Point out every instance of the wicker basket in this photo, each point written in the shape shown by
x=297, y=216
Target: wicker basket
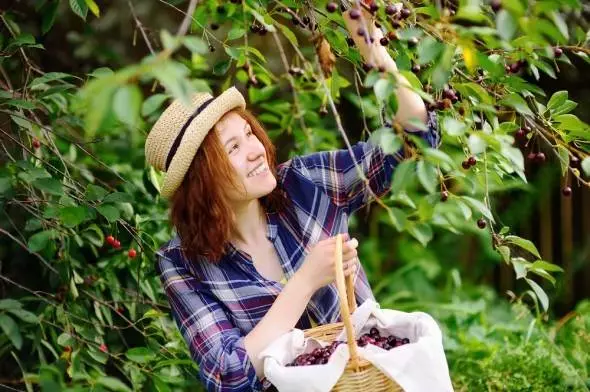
x=359, y=374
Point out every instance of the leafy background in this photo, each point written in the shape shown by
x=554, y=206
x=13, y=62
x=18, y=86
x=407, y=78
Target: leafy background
x=81, y=82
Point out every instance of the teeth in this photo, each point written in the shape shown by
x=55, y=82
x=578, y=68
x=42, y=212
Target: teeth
x=259, y=170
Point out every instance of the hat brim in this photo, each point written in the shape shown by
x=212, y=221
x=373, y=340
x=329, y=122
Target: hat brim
x=194, y=135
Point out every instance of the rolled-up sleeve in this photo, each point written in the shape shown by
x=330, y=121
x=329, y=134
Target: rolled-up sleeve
x=337, y=172
x=213, y=341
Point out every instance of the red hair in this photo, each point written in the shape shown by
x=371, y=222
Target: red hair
x=201, y=199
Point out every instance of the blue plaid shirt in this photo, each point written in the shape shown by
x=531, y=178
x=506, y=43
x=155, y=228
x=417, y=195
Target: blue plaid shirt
x=216, y=305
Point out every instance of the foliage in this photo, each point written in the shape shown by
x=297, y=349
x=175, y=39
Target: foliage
x=84, y=312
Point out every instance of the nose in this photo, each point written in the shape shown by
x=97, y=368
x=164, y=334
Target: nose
x=255, y=149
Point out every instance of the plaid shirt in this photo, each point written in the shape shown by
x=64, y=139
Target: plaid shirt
x=216, y=305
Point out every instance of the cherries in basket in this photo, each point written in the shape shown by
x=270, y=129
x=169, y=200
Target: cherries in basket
x=385, y=342
x=320, y=356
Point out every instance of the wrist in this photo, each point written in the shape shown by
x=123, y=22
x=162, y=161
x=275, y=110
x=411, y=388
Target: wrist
x=302, y=284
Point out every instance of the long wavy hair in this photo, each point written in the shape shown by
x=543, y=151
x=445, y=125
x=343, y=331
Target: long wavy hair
x=200, y=209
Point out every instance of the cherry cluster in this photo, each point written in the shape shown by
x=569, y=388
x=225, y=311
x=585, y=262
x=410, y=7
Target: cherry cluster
x=320, y=356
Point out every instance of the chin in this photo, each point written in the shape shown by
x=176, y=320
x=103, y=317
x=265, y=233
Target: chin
x=263, y=189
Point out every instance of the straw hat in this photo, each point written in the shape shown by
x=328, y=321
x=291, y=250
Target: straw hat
x=175, y=138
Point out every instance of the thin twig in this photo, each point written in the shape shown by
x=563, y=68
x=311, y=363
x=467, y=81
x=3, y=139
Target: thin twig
x=28, y=250
x=140, y=27
x=186, y=22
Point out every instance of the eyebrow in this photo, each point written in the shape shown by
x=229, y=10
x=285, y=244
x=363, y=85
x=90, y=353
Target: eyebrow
x=233, y=137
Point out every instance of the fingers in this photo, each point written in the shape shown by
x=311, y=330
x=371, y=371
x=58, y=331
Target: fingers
x=351, y=267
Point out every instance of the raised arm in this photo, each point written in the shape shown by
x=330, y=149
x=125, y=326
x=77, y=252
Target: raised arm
x=410, y=104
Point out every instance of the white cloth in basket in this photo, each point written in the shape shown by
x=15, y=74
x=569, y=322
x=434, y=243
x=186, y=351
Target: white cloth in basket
x=420, y=366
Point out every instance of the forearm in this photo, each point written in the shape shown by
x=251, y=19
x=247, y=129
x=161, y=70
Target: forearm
x=281, y=318
x=410, y=104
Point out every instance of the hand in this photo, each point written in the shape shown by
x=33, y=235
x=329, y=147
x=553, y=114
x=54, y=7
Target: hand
x=318, y=268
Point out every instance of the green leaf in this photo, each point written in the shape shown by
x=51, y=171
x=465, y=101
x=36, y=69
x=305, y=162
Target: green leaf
x=453, y=127
x=49, y=185
x=109, y=212
x=173, y=76
x=570, y=122
x=152, y=104
x=524, y=244
x=94, y=235
x=93, y=7
x=38, y=241
x=544, y=265
x=25, y=315
x=402, y=175
x=288, y=34
x=479, y=207
x=113, y=384
x=72, y=216
x=11, y=330
x=236, y=32
x=567, y=107
x=221, y=67
x=127, y=103
x=383, y=88
x=95, y=192
x=80, y=8
x=560, y=23
x=195, y=44
x=504, y=252
x=517, y=102
x=506, y=25
x=540, y=293
x=427, y=175
x=428, y=50
x=9, y=303
x=118, y=197
x=48, y=11
x=422, y=232
x=140, y=354
x=564, y=158
x=586, y=166
x=65, y=339
x=520, y=267
x=389, y=141
x=556, y=100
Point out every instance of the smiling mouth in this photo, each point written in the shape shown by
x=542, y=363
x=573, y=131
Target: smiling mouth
x=260, y=169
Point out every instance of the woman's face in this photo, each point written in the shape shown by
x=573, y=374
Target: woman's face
x=247, y=156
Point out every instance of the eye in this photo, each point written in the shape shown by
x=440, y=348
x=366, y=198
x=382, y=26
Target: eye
x=249, y=132
x=231, y=149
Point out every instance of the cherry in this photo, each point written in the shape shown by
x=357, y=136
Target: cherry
x=384, y=41
x=368, y=66
x=374, y=332
x=110, y=240
x=395, y=24
x=444, y=196
x=373, y=7
x=361, y=31
x=36, y=143
x=405, y=13
x=390, y=9
x=262, y=31
x=531, y=156
x=465, y=164
x=392, y=36
x=211, y=48
x=220, y=9
x=354, y=14
x=416, y=68
x=323, y=111
x=540, y=158
x=332, y=7
x=521, y=134
x=481, y=223
x=567, y=191
x=116, y=244
x=471, y=160
x=214, y=26
x=68, y=349
x=103, y=348
x=557, y=52
x=496, y=5
x=255, y=28
x=132, y=253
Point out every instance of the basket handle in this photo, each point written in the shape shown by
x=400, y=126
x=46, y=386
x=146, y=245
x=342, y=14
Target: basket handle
x=347, y=301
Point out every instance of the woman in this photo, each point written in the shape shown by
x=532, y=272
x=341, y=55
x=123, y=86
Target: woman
x=254, y=251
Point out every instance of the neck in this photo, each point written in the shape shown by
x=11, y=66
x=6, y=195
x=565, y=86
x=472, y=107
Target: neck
x=250, y=224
